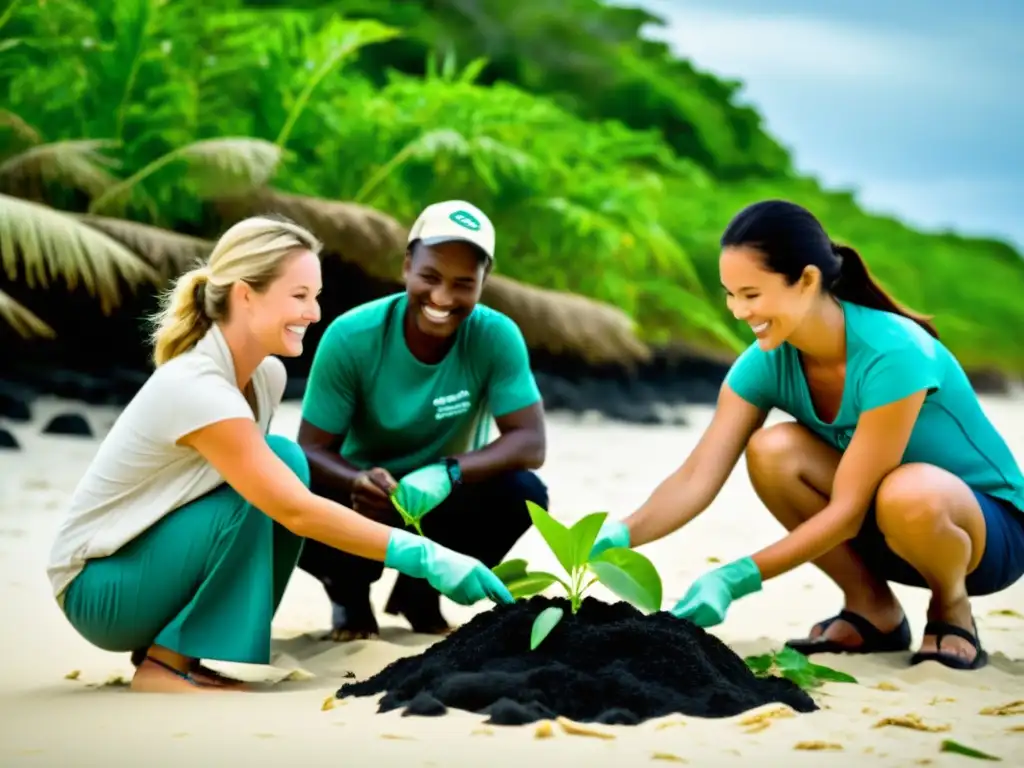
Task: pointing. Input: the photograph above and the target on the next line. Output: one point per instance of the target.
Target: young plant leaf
(797, 668)
(554, 533)
(510, 570)
(948, 745)
(829, 675)
(629, 575)
(533, 583)
(759, 665)
(583, 534)
(546, 621)
(406, 517)
(791, 659)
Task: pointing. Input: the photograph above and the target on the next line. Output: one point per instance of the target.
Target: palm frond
(225, 166)
(25, 132)
(355, 233)
(77, 164)
(566, 323)
(45, 244)
(169, 253)
(24, 322)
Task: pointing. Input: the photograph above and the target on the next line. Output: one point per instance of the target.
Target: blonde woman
(185, 529)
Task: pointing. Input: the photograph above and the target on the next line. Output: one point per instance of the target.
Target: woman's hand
(709, 597)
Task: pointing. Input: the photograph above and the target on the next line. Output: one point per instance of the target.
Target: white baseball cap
(454, 220)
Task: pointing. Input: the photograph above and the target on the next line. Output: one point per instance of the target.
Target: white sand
(47, 719)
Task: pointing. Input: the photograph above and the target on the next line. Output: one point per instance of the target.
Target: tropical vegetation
(609, 165)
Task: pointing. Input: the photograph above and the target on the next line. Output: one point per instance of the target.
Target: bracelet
(454, 470)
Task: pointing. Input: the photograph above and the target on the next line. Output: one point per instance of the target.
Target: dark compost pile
(607, 664)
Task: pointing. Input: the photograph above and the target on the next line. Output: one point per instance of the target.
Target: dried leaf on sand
(1013, 708)
(818, 746)
(579, 729)
(544, 730)
(913, 722)
(767, 716)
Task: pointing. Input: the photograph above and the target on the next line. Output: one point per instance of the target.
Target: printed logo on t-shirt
(448, 406)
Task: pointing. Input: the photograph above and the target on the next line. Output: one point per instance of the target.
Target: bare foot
(150, 677)
(165, 671)
(959, 615)
(207, 676)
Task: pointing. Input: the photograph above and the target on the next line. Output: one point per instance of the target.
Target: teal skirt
(205, 581)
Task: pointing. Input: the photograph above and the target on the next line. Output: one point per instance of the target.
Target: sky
(918, 105)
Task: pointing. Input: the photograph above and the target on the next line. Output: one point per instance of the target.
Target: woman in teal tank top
(890, 471)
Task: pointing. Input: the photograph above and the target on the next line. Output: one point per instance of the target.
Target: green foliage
(609, 167)
(546, 621)
(948, 745)
(795, 666)
(625, 572)
(406, 517)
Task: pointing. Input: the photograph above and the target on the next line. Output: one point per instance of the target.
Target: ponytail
(856, 285)
(183, 320)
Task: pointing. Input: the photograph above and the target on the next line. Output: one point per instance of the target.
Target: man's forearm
(516, 450)
(329, 473)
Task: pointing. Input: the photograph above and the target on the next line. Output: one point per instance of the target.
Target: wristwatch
(454, 470)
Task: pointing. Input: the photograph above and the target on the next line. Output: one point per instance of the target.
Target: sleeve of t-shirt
(277, 379)
(188, 399)
(330, 396)
(752, 376)
(511, 385)
(896, 374)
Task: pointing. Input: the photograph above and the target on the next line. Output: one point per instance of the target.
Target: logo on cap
(465, 219)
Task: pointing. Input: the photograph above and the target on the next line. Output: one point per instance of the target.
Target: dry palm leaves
(78, 165)
(39, 244)
(22, 320)
(221, 166)
(372, 240)
(169, 253)
(565, 323)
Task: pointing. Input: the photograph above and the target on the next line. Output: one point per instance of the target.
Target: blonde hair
(254, 250)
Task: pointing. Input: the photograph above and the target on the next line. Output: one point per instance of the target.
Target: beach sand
(61, 702)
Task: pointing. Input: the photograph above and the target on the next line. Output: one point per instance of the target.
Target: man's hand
(371, 493)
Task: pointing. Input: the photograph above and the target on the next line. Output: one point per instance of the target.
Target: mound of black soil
(607, 664)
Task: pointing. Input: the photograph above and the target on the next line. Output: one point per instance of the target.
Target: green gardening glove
(709, 597)
(462, 578)
(613, 533)
(421, 491)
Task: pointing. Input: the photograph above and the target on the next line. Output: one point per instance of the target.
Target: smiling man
(402, 391)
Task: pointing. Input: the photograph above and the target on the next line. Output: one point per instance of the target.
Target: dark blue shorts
(1000, 566)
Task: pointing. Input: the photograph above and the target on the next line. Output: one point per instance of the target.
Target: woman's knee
(291, 454)
(775, 450)
(915, 500)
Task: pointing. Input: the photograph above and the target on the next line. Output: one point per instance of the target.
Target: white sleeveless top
(138, 474)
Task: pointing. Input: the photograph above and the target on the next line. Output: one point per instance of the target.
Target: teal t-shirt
(888, 358)
(399, 413)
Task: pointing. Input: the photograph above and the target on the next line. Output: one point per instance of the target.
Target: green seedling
(795, 666)
(624, 571)
(406, 517)
(959, 749)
